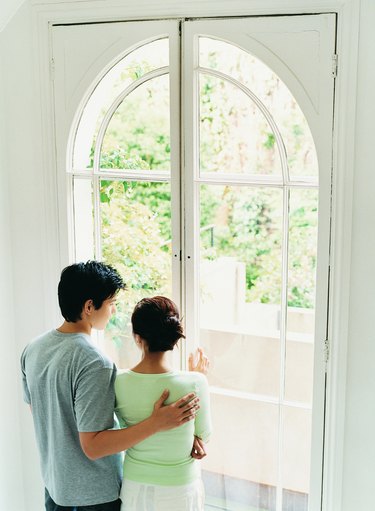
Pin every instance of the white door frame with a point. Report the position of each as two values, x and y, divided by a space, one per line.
342 173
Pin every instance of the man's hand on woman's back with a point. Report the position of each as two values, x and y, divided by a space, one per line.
166 417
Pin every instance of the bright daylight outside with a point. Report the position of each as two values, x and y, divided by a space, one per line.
257 185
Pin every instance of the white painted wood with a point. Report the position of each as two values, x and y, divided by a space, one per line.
344 163
82 11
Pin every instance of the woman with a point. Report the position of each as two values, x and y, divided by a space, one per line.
160 473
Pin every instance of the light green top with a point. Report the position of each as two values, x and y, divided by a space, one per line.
163 458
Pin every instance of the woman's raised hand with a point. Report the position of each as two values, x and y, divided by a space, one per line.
198 361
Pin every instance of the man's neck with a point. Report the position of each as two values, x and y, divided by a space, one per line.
79 327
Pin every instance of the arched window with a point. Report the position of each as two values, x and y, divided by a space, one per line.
194 166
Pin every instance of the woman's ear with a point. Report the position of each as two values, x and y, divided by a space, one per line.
137 339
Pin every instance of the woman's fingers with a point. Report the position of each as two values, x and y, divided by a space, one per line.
198 451
198 361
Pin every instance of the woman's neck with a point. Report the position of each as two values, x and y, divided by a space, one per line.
153 363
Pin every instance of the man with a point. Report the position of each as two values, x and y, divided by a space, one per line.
69 385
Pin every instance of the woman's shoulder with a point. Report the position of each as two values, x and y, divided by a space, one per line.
193 376
122 374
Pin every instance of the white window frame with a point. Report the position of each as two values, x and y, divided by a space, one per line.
192 182
55 257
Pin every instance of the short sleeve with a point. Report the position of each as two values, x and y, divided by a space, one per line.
120 418
94 399
203 424
25 388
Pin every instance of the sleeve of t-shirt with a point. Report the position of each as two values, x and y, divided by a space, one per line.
25 388
203 425
94 399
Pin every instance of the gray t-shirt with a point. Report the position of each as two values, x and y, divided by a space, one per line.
70 386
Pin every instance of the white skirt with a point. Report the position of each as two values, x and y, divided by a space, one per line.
150 497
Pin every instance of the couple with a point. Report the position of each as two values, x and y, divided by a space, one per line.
72 390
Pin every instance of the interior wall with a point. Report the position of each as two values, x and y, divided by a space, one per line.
11 480
21 223
359 447
8 8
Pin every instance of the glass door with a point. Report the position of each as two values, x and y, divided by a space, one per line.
254 175
123 167
195 156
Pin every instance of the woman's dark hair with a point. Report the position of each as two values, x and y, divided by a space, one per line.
157 321
80 282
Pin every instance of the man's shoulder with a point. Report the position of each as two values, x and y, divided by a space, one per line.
90 354
38 340
78 346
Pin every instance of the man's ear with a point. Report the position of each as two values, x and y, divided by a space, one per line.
88 307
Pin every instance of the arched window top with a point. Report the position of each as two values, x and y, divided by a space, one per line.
136 131
219 56
250 123
137 63
237 134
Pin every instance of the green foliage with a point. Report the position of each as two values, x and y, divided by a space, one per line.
118 158
270 141
131 241
138 134
247 227
240 222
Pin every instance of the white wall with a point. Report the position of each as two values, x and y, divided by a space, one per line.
11 480
22 270
23 243
7 10
359 453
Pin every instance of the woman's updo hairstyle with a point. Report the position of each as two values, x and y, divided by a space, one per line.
157 321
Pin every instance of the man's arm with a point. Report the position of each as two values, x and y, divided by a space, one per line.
98 444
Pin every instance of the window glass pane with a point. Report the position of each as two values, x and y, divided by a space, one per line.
137 137
273 93
303 222
296 458
235 137
136 239
83 220
137 63
240 286
240 472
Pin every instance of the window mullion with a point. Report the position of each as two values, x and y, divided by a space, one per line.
97 222
283 329
190 126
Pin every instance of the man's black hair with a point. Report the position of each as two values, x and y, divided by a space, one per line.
80 282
